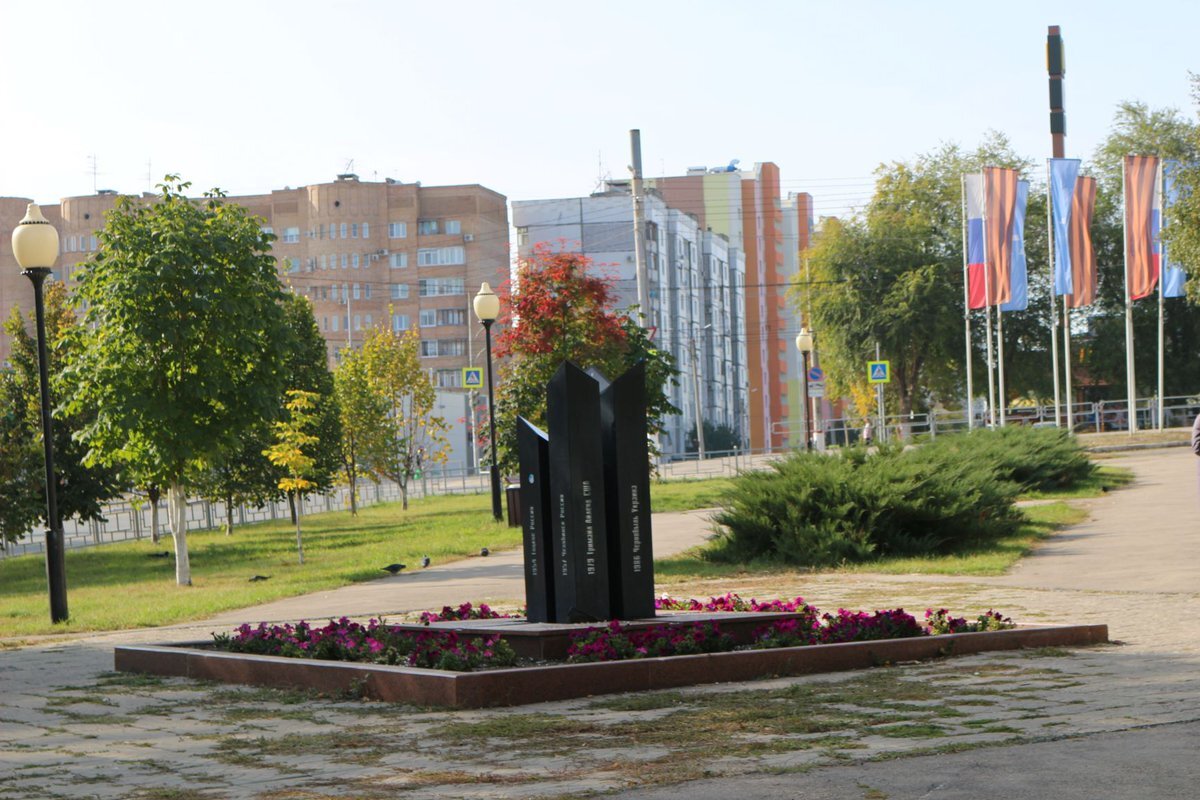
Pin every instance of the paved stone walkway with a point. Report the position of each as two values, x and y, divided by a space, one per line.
1114 722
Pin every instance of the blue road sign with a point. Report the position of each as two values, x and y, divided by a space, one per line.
816 374
879 372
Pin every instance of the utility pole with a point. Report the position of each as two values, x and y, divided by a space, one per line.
696 392
639 228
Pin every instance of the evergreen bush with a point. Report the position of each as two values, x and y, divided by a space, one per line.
821 510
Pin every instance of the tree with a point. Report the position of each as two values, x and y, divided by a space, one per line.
244 474
718 439
892 275
1138 129
183 342
20 464
364 422
81 489
559 310
415 436
294 441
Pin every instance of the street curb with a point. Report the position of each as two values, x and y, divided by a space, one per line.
1121 448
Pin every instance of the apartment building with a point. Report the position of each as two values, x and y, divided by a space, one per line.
745 206
366 253
695 290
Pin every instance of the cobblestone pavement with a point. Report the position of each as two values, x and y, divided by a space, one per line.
71 728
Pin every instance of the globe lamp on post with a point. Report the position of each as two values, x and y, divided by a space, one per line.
487 309
35 246
804 343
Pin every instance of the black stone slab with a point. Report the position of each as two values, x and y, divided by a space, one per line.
533 450
581 590
627 494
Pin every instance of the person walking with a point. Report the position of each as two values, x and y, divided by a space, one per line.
868 433
1196 436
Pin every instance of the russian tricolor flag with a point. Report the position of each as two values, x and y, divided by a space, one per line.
976 288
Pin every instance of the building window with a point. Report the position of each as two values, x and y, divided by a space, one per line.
441 256
336 322
354 260
366 230
324 323
366 291
367 319
353 230
453 226
522 237
427 227
452 316
428 318
358 322
441 287
397 230
357 293
267 229
332 230
291 235
399 260
345 261
449 378
399 322
399 291
335 293
93 243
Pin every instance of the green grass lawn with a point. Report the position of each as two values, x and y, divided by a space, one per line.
120 586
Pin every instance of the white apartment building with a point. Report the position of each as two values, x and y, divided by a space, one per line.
696 291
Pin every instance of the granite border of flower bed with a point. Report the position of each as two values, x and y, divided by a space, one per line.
535 684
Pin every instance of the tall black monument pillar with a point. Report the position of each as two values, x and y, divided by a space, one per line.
580 563
533 450
627 499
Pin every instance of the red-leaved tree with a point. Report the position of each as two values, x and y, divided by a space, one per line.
560 308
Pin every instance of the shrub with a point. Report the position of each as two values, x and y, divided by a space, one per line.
818 510
1040 459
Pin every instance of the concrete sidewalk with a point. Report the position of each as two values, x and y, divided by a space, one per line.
1110 722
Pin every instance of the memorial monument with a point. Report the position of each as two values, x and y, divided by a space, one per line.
585 501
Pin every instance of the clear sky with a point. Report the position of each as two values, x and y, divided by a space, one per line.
535 99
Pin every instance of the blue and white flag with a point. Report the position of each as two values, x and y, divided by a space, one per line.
1063 172
1173 276
1019 299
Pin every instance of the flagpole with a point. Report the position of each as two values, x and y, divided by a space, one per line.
1053 309
1130 389
1162 262
1000 396
1067 361
970 404
987 305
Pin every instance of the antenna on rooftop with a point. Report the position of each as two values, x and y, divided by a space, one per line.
95 183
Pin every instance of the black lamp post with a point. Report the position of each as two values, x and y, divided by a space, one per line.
35 246
804 343
487 308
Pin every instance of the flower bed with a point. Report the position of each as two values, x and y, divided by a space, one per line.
380 643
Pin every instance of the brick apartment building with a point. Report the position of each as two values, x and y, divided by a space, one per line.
366 253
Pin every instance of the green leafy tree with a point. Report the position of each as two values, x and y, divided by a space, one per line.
244 475
81 488
183 344
294 440
558 309
364 422
1138 129
892 274
20 464
416 437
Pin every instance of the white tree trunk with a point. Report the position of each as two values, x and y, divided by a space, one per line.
177 502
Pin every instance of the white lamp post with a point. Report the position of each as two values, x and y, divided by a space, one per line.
487 309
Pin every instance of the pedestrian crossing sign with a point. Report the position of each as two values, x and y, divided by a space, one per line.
879 372
472 377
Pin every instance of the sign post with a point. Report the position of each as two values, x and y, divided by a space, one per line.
880 372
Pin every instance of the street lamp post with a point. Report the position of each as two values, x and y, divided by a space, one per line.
487 308
804 343
35 246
